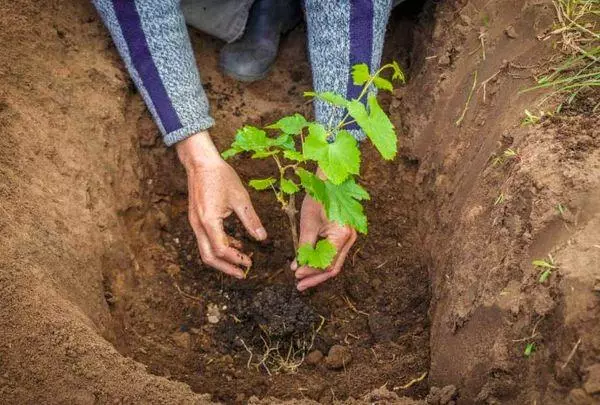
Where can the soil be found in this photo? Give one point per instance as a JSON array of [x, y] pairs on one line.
[[105, 300]]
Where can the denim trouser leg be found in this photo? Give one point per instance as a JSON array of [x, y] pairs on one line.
[[224, 19]]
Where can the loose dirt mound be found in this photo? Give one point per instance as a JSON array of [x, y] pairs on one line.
[[104, 299]]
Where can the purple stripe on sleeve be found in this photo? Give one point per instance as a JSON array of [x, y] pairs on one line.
[[361, 39], [361, 42], [131, 26]]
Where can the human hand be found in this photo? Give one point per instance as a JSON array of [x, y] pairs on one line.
[[215, 191], [314, 224]]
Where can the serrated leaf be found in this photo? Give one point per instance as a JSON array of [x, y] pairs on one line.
[[285, 141], [543, 263], [342, 204], [383, 84], [319, 257], [251, 138], [341, 201], [398, 73], [338, 159], [231, 152], [288, 186], [376, 125], [329, 97], [293, 124], [293, 155], [360, 74], [262, 184], [312, 184]]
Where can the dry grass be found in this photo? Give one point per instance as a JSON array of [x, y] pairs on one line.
[[578, 39]]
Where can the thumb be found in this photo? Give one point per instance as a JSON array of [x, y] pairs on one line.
[[245, 212]]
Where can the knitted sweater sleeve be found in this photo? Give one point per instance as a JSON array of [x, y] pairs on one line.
[[342, 33], [153, 41]]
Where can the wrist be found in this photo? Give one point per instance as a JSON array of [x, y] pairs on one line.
[[198, 150]]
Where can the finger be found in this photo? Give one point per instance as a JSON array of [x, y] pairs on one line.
[[209, 258], [339, 260], [235, 242], [250, 220], [306, 271], [219, 242], [312, 281]]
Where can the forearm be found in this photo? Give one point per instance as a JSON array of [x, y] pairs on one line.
[[340, 35], [153, 41]]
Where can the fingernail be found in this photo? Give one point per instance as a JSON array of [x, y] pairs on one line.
[[294, 266], [261, 233]]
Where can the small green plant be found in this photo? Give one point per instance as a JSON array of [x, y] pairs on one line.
[[500, 199], [532, 119], [506, 155], [529, 349], [334, 150], [546, 266]]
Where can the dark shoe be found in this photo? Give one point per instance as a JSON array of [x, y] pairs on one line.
[[251, 57]]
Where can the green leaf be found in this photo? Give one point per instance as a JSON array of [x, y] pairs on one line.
[[545, 275], [338, 159], [342, 204], [341, 201], [377, 126], [293, 155], [398, 73], [312, 184], [529, 349], [319, 257], [288, 186], [360, 74], [251, 138], [262, 184], [329, 97], [383, 84], [263, 154], [286, 141], [231, 152], [293, 124], [543, 263]]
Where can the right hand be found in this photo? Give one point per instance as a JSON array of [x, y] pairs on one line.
[[215, 191]]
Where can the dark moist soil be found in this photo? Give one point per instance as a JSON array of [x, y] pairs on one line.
[[191, 323]]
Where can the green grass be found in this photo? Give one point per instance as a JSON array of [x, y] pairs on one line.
[[578, 69]]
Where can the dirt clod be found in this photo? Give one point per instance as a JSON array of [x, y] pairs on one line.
[[338, 357], [314, 358], [511, 32], [592, 382], [442, 396]]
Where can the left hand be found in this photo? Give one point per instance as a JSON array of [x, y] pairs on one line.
[[313, 225]]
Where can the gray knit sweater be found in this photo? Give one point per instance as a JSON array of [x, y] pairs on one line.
[[153, 41]]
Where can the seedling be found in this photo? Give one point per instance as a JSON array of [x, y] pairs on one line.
[[546, 266], [529, 349], [500, 199], [561, 209], [508, 154], [335, 151], [532, 119]]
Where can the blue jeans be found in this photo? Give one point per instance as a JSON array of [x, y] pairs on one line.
[[224, 19]]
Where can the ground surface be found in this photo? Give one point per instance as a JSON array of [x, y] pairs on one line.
[[104, 300]]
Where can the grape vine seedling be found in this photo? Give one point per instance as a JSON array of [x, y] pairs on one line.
[[335, 151]]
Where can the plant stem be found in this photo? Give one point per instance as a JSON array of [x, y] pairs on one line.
[[290, 211]]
